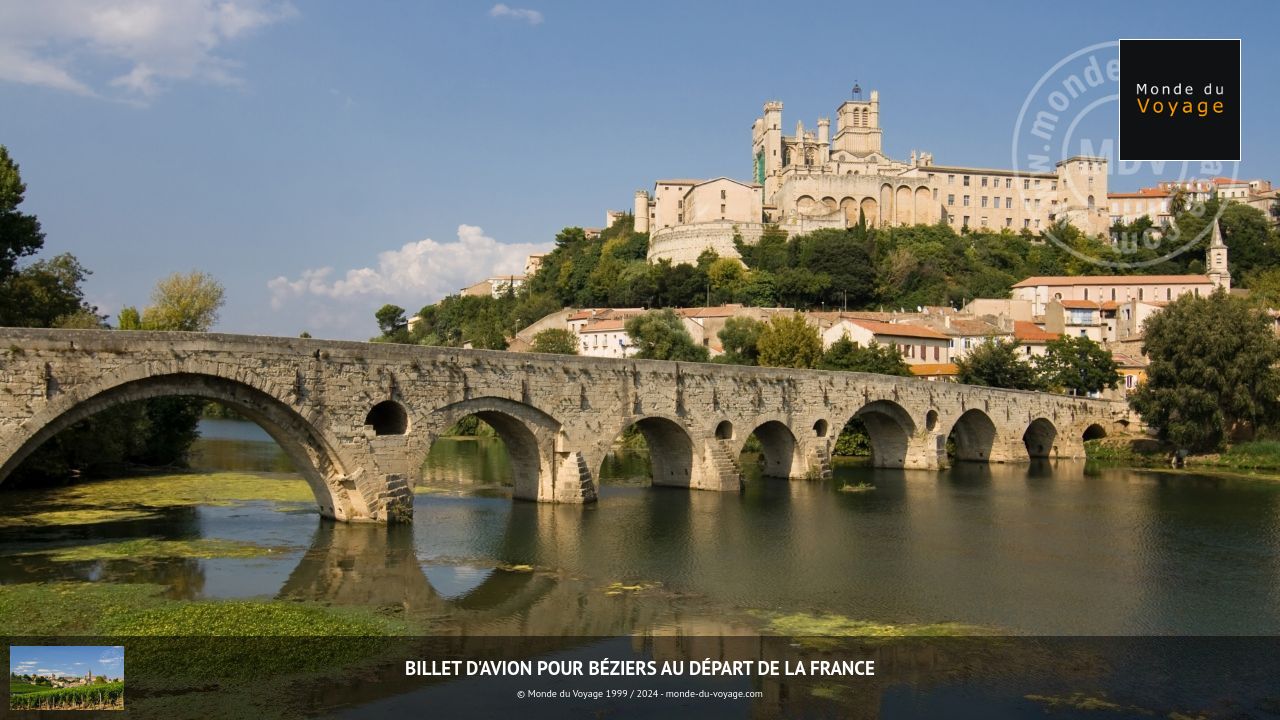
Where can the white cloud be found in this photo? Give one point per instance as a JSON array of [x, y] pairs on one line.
[[136, 47], [533, 17], [416, 274]]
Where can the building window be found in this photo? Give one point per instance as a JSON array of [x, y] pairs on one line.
[[951, 199], [984, 201], [966, 221], [966, 181], [1129, 382], [1026, 223], [1026, 184], [1139, 293], [1008, 222], [951, 179], [966, 201], [984, 221], [984, 182], [935, 193], [1113, 294], [1053, 185], [1008, 183]]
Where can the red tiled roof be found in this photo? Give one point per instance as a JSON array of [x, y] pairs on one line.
[[1030, 332], [897, 329], [1069, 280], [603, 326], [1080, 304], [935, 369]]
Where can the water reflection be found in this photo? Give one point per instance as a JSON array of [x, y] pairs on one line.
[[1052, 547]]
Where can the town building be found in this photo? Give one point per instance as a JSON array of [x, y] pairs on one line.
[[811, 180]]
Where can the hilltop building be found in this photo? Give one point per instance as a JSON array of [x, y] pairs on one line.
[[807, 181]]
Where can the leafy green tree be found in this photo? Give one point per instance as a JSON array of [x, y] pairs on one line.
[[845, 354], [1212, 374], [660, 335], [556, 341], [1249, 235], [184, 301], [44, 291], [391, 320], [1264, 286], [997, 363], [129, 319], [739, 337], [1077, 365], [789, 341], [20, 234]]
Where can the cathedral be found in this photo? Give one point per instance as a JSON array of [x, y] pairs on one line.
[[808, 181]]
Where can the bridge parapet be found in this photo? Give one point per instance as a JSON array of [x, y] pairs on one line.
[[358, 419]]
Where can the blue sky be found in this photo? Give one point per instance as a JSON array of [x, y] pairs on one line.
[[410, 148], [67, 660]]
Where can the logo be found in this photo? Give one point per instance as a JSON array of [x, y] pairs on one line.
[[1065, 149]]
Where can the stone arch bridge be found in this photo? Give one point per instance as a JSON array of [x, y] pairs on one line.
[[358, 419]]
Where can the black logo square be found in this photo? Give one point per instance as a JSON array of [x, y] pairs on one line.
[[1180, 100]]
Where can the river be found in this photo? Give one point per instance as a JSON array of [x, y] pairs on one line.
[[1047, 549]]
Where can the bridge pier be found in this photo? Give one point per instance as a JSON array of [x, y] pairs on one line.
[[358, 419]]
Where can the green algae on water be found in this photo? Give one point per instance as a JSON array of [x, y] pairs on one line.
[[831, 625], [137, 610], [138, 498], [202, 549]]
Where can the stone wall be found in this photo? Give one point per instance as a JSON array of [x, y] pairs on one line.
[[558, 415]]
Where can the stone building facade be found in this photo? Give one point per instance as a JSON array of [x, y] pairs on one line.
[[812, 180]]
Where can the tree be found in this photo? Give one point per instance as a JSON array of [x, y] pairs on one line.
[[184, 301], [845, 354], [789, 341], [20, 234], [41, 293], [1212, 374], [996, 363], [1078, 365], [129, 318], [390, 319], [660, 335], [556, 341], [739, 338]]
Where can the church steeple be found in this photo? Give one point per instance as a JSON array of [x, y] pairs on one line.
[[1216, 259]]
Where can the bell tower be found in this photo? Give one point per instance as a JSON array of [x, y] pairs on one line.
[[1216, 260], [858, 126]]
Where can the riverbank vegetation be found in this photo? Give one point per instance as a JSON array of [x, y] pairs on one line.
[[140, 610], [49, 293], [859, 268]]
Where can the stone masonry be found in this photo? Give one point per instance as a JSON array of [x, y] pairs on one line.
[[358, 419]]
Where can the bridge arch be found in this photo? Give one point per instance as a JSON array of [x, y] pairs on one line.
[[974, 434], [1093, 431], [528, 433], [779, 449], [671, 455], [889, 428], [1039, 437], [312, 449]]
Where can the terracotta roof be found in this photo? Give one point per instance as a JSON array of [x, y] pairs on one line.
[[603, 326], [1069, 280], [1030, 332], [897, 329], [1110, 305], [1080, 304], [935, 369], [582, 315], [719, 311]]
